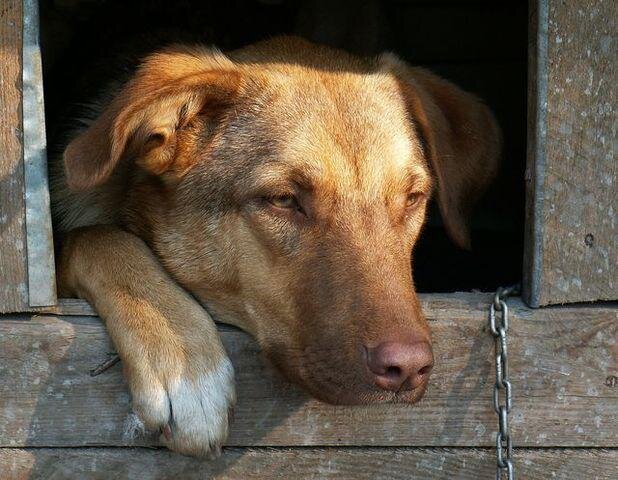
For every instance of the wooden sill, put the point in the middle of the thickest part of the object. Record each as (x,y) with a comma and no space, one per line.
(563,376)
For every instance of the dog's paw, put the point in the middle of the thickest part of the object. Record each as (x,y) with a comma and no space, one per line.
(192,411)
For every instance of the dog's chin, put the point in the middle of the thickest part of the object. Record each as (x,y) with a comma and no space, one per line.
(353,390)
(340,396)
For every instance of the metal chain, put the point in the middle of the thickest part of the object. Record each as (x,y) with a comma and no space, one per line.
(499,329)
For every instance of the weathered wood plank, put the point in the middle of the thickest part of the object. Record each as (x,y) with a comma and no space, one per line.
(13,268)
(564,364)
(40,242)
(572,250)
(535,155)
(323,464)
(68,306)
(435,305)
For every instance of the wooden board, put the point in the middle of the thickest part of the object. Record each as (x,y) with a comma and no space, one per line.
(40,242)
(285,464)
(436,306)
(68,306)
(13,268)
(563,365)
(571,240)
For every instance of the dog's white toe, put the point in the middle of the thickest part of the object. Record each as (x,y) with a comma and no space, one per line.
(192,412)
(200,411)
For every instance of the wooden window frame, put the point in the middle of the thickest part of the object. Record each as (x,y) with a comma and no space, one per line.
(57,420)
(571,232)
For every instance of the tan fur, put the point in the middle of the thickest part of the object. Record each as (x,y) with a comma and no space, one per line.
(197,145)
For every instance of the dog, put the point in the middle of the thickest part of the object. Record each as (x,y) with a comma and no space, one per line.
(281,188)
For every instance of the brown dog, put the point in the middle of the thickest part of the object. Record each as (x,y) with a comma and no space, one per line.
(283,187)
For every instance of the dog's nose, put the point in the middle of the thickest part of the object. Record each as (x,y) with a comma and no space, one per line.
(400,366)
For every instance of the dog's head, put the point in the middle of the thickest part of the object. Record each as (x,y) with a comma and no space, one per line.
(285,186)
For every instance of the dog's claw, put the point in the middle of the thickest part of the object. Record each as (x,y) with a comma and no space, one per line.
(215,453)
(167,432)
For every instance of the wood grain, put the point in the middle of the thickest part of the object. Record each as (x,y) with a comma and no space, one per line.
(435,305)
(572,250)
(68,306)
(305,463)
(40,241)
(563,365)
(13,268)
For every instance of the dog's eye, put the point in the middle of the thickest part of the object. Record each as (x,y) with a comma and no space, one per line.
(284,201)
(413,199)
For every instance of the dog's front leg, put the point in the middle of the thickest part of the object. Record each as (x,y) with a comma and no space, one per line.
(180,377)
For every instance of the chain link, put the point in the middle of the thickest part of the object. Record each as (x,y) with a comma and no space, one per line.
(499,326)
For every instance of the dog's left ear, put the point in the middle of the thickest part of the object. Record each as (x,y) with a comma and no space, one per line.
(460,137)
(142,122)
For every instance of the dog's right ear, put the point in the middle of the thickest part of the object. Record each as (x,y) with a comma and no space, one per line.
(167,92)
(460,137)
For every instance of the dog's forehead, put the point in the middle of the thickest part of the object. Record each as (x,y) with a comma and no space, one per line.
(347,134)
(353,127)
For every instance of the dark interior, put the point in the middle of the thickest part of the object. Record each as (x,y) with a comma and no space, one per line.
(479,45)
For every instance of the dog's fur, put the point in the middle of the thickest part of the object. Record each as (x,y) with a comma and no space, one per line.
(283,187)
